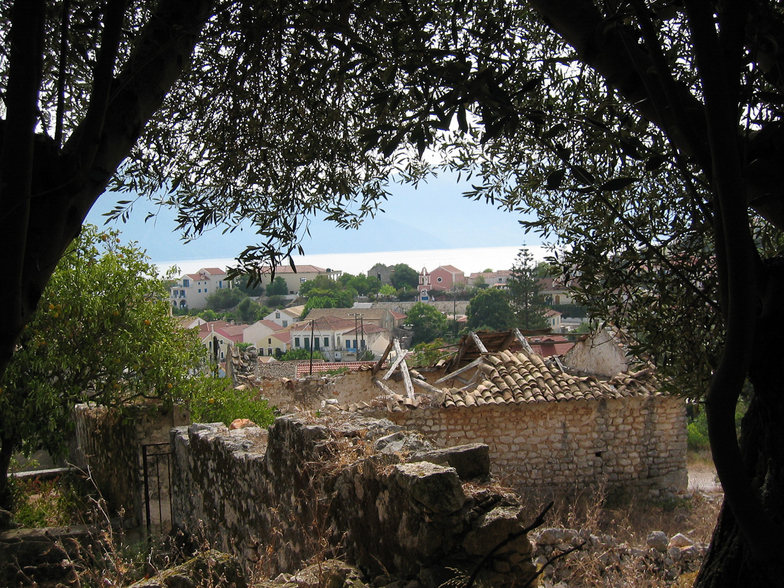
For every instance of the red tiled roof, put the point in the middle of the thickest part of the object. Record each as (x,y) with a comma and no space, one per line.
(521,378)
(301,269)
(450,268)
(213,270)
(207,327)
(283,337)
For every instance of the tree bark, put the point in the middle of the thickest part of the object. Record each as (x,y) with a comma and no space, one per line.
(6,452)
(66,183)
(730,563)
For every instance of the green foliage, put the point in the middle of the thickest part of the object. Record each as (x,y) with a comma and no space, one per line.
(525,293)
(277,302)
(49,503)
(103,333)
(697,434)
(362,284)
(323,292)
(428,354)
(427,322)
(490,309)
(208,315)
(404,276)
(217,402)
(406,294)
(246,284)
(277,287)
(249,311)
(387,291)
(302,354)
(225,298)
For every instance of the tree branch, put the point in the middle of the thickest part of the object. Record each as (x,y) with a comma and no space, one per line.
(92,126)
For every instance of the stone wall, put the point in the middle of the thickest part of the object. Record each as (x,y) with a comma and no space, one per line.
(553,445)
(109,444)
(350,486)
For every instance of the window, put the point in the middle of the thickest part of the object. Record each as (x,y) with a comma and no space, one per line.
(307,343)
(199,290)
(326,342)
(269,341)
(277,315)
(296,342)
(261,351)
(337,342)
(303,280)
(186,283)
(269,351)
(438,280)
(316,343)
(285,323)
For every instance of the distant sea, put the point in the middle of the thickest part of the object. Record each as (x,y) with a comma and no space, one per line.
(469,260)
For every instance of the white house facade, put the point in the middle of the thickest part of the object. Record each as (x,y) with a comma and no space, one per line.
(192,290)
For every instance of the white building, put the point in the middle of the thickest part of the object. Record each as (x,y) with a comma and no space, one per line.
(191,290)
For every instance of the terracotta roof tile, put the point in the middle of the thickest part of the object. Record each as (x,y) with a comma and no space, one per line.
(519,377)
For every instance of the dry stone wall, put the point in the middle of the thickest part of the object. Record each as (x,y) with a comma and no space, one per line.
(360,488)
(110,443)
(614,442)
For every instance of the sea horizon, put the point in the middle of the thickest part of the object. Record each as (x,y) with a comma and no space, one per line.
(468,260)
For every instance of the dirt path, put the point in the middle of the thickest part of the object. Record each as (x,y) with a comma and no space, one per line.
(702,476)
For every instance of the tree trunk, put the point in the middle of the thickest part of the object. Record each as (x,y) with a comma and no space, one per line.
(6,452)
(730,562)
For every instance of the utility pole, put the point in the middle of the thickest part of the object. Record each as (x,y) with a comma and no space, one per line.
(454,308)
(312,323)
(362,327)
(356,349)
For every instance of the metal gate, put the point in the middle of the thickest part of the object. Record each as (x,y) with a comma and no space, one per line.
(156,470)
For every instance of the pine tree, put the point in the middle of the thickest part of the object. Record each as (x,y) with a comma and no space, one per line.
(525,295)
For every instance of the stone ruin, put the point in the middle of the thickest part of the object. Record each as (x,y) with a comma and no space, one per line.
(376,495)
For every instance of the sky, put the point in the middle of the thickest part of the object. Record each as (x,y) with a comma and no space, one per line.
(429,226)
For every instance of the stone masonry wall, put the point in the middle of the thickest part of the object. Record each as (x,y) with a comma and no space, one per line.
(618,442)
(109,444)
(345,485)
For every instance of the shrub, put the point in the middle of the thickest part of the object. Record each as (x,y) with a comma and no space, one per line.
(219,403)
(49,503)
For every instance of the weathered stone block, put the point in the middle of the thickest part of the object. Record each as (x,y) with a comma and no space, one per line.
(470,461)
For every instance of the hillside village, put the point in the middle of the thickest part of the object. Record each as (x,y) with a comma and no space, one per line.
(345,334)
